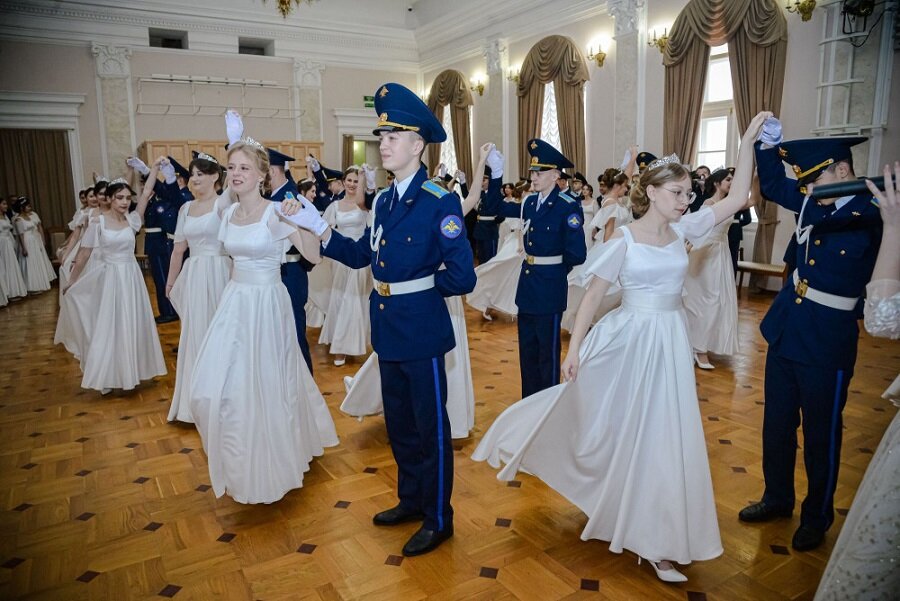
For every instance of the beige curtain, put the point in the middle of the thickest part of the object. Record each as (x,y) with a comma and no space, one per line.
(37,165)
(756,32)
(451,89)
(555,58)
(346,152)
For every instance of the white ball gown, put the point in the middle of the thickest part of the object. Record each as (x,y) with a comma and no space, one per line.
(364,393)
(624,442)
(80,316)
(498,279)
(346,324)
(196,293)
(11,280)
(256,406)
(589,208)
(36,267)
(111,305)
(65,333)
(710,296)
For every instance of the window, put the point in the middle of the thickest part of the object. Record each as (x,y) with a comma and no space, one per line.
(448,147)
(549,120)
(256,47)
(168,38)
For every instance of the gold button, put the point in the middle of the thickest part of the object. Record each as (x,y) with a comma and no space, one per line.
(381,306)
(817,242)
(530,244)
(843,252)
(812,261)
(383,242)
(798,300)
(527,272)
(381,263)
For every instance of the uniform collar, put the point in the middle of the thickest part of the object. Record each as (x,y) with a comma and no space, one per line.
(840,202)
(278,189)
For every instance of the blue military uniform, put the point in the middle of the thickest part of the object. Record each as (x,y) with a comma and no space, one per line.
(812,327)
(295,268)
(418,254)
(643,159)
(487,228)
(554,243)
(324,197)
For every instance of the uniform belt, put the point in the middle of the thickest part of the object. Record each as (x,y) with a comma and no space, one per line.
(293,258)
(842,303)
(487,218)
(170,236)
(152,230)
(553,260)
(407,287)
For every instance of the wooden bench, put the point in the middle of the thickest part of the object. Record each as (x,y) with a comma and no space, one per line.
(764,269)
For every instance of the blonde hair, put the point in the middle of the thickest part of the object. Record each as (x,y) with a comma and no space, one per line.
(669,172)
(258,156)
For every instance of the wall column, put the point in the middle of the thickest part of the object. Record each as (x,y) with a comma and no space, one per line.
(631,18)
(114,97)
(308,100)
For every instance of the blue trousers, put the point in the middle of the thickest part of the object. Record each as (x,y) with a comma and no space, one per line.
(486,250)
(415,413)
(539,349)
(159,252)
(818,394)
(294,278)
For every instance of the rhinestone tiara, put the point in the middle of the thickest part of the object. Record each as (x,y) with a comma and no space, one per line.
(672,158)
(206,157)
(252,142)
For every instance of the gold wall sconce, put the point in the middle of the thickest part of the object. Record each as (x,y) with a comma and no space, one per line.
(512,74)
(659,41)
(804,8)
(477,85)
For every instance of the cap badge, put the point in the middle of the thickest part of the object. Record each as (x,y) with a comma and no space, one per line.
(383,92)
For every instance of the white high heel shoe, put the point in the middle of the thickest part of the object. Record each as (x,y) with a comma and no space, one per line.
(702,364)
(669,575)
(486,315)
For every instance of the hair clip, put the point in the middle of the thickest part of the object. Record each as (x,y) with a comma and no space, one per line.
(252,142)
(672,158)
(206,157)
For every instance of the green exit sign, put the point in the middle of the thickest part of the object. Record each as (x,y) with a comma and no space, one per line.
(369,102)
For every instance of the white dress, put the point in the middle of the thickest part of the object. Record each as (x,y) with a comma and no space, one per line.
(11,280)
(319,293)
(710,295)
(196,293)
(498,279)
(624,442)
(65,333)
(80,316)
(620,211)
(364,394)
(589,210)
(863,563)
(36,267)
(346,324)
(256,406)
(111,303)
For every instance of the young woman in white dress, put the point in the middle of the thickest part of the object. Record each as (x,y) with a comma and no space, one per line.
(622,438)
(11,281)
(195,285)
(66,333)
(710,299)
(615,210)
(111,302)
(346,325)
(36,266)
(256,406)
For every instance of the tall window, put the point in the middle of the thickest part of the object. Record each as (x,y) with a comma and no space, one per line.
(448,147)
(549,120)
(718,139)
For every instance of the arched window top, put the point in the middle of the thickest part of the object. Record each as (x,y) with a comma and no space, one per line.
(553,56)
(450,87)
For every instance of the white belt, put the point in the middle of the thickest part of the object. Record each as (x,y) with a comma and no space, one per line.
(170,236)
(260,278)
(487,218)
(635,300)
(207,252)
(293,258)
(554,260)
(407,287)
(152,230)
(842,303)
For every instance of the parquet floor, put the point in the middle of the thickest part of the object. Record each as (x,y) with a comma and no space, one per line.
(101,499)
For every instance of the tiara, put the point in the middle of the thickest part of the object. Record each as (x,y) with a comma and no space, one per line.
(252,142)
(118,180)
(672,158)
(206,157)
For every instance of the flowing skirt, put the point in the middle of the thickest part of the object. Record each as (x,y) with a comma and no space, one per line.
(256,406)
(710,299)
(195,296)
(624,442)
(36,266)
(498,280)
(319,293)
(346,325)
(364,389)
(65,332)
(11,281)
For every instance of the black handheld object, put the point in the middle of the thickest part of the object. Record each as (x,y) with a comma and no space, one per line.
(845,188)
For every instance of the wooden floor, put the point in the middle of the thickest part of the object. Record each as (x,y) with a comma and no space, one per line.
(102,499)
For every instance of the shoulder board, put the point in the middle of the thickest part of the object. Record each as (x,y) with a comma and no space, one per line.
(566,197)
(434,189)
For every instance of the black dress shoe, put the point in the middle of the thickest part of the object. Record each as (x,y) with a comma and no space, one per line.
(762,512)
(165,319)
(424,541)
(397,515)
(807,538)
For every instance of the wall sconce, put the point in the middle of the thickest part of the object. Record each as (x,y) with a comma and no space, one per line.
(513,74)
(477,85)
(598,55)
(659,41)
(804,8)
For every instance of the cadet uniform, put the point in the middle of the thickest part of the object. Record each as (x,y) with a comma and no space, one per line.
(324,197)
(417,229)
(812,332)
(554,243)
(487,228)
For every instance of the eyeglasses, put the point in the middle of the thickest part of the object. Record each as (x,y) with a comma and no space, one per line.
(690,196)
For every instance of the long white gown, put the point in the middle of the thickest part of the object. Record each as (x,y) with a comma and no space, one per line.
(498,279)
(36,266)
(590,210)
(111,304)
(710,296)
(11,280)
(364,394)
(346,324)
(65,333)
(80,316)
(624,442)
(196,294)
(319,293)
(256,406)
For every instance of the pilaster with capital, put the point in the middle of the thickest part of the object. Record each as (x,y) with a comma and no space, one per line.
(490,121)
(630,22)
(112,66)
(308,85)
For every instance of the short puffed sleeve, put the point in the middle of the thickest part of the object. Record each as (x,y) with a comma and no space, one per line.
(91,238)
(695,227)
(277,227)
(226,217)
(604,261)
(882,309)
(179,226)
(21,225)
(330,214)
(134,221)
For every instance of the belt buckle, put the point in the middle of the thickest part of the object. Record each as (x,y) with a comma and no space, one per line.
(801,288)
(384,289)
(529,259)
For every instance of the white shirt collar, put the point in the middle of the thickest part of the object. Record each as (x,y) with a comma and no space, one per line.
(403,185)
(840,202)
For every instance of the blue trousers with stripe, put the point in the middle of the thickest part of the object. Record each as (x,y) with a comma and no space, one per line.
(415,413)
(296,280)
(539,349)
(486,250)
(159,253)
(818,394)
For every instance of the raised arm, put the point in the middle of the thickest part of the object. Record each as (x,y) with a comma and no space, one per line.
(887,265)
(474,195)
(739,196)
(632,161)
(147,191)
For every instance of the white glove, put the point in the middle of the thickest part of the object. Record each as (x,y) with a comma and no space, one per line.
(307,217)
(168,171)
(234,126)
(461,177)
(313,163)
(625,160)
(495,162)
(442,170)
(370,177)
(771,132)
(138,165)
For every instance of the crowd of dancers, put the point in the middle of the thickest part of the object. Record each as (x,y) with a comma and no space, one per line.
(643,283)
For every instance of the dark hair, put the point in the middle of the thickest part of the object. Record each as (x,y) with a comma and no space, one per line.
(20,203)
(305,186)
(716,177)
(591,188)
(351,169)
(101,186)
(699,167)
(208,167)
(113,188)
